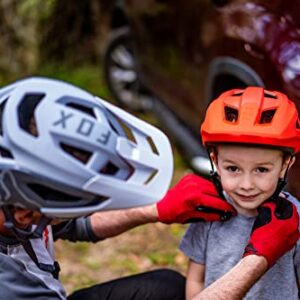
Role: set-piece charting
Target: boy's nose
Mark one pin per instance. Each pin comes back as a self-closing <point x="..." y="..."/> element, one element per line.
<point x="246" y="182"/>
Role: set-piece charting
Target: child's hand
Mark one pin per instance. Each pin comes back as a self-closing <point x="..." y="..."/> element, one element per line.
<point x="275" y="230"/>
<point x="193" y="199"/>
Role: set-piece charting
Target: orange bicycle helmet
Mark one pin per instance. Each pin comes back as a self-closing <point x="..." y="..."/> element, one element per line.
<point x="252" y="116"/>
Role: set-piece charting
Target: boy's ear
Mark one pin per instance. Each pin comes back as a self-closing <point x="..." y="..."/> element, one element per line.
<point x="293" y="159"/>
<point x="213" y="157"/>
<point x="288" y="162"/>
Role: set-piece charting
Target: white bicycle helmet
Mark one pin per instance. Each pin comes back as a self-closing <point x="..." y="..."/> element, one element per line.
<point x="67" y="153"/>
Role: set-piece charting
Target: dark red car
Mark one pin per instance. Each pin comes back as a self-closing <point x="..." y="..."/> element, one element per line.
<point x="179" y="55"/>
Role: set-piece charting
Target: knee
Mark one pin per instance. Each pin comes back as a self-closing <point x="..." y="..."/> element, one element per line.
<point x="169" y="278"/>
<point x="169" y="275"/>
<point x="170" y="283"/>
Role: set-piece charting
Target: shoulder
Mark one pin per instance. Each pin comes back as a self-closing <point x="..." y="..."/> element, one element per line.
<point x="292" y="199"/>
<point x="197" y="231"/>
<point x="199" y="226"/>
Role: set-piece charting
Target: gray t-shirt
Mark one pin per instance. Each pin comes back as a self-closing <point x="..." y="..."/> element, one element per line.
<point x="220" y="245"/>
<point x="21" y="279"/>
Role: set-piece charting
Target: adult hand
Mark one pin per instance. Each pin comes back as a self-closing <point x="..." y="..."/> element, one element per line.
<point x="193" y="199"/>
<point x="275" y="230"/>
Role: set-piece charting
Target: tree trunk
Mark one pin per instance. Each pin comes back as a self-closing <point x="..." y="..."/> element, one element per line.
<point x="18" y="40"/>
<point x="74" y="31"/>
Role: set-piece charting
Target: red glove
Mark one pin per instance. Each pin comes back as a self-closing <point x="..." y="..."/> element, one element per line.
<point x="275" y="230"/>
<point x="193" y="199"/>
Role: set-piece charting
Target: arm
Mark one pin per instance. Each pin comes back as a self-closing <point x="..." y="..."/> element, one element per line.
<point x="275" y="232"/>
<point x="235" y="284"/>
<point x="192" y="199"/>
<point x="194" y="280"/>
<point x="107" y="224"/>
<point x="104" y="224"/>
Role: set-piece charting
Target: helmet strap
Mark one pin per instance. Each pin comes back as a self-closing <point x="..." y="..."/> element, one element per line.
<point x="281" y="182"/>
<point x="24" y="236"/>
<point x="215" y="177"/>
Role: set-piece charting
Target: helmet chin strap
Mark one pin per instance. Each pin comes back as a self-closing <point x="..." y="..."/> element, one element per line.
<point x="215" y="178"/>
<point x="24" y="236"/>
<point x="280" y="185"/>
<point x="281" y="207"/>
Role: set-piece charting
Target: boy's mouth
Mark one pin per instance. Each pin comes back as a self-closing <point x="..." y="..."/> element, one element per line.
<point x="246" y="197"/>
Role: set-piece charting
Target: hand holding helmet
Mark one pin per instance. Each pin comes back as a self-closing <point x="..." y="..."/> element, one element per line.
<point x="193" y="199"/>
<point x="275" y="230"/>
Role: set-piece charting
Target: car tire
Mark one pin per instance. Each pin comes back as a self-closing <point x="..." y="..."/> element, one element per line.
<point x="121" y="74"/>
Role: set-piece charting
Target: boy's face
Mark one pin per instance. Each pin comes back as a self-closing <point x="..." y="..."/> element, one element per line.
<point x="249" y="175"/>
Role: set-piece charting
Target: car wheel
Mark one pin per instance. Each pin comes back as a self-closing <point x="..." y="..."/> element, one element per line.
<point x="120" y="72"/>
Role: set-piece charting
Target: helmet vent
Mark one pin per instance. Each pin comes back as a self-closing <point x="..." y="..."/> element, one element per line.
<point x="1" y="115"/>
<point x="121" y="128"/>
<point x="269" y="95"/>
<point x="152" y="145"/>
<point x="5" y="153"/>
<point x="79" y="154"/>
<point x="152" y="175"/>
<point x="238" y="94"/>
<point x="51" y="194"/>
<point x="26" y="112"/>
<point x="109" y="169"/>
<point x="127" y="131"/>
<point x="61" y="199"/>
<point x="231" y="114"/>
<point x="82" y="108"/>
<point x="298" y="124"/>
<point x="267" y="116"/>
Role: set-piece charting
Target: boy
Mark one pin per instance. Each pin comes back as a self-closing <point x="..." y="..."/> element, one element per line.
<point x="66" y="155"/>
<point x="252" y="136"/>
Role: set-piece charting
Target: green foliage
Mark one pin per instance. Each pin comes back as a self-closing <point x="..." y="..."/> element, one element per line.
<point x="126" y="264"/>
<point x="87" y="77"/>
<point x="91" y="263"/>
<point x="39" y="9"/>
<point x="162" y="258"/>
<point x="177" y="230"/>
<point x="81" y="248"/>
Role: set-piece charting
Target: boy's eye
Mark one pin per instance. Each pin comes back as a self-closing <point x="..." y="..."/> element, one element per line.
<point x="232" y="168"/>
<point x="262" y="170"/>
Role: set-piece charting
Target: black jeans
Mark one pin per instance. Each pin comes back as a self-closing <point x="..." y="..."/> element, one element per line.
<point x="160" y="284"/>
